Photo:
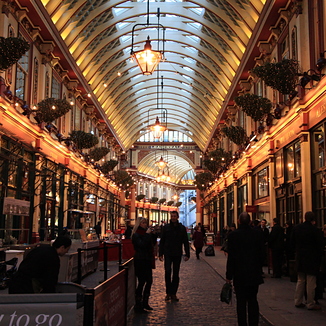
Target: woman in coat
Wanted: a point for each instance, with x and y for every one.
(143, 240)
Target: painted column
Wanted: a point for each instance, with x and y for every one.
(132, 205)
(306, 173)
(272, 193)
(235, 201)
(198, 207)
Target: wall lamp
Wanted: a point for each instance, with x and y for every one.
(321, 62)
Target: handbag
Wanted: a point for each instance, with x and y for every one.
(226, 293)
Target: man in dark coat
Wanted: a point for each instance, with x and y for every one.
(38, 272)
(308, 243)
(173, 236)
(276, 243)
(245, 259)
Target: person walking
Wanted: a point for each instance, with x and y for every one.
(198, 238)
(38, 272)
(143, 239)
(245, 258)
(265, 231)
(308, 243)
(173, 236)
(276, 243)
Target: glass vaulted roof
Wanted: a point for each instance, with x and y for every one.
(205, 41)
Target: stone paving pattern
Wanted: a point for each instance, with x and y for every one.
(199, 303)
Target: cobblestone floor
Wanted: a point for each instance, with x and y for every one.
(199, 303)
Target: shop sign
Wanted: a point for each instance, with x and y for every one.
(31, 310)
(16, 206)
(110, 301)
(251, 208)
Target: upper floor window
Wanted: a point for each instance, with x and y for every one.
(284, 48)
(35, 82)
(22, 76)
(168, 136)
(47, 85)
(294, 44)
(56, 88)
(262, 183)
(318, 145)
(293, 161)
(316, 29)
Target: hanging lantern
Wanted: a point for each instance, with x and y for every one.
(157, 129)
(147, 59)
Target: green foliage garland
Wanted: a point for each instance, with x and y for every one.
(50, 109)
(11, 50)
(236, 134)
(123, 179)
(217, 159)
(109, 166)
(254, 106)
(97, 153)
(83, 139)
(202, 180)
(281, 75)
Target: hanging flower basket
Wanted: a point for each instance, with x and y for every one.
(50, 109)
(281, 76)
(109, 166)
(202, 180)
(97, 153)
(254, 106)
(83, 139)
(123, 179)
(236, 134)
(217, 159)
(140, 197)
(11, 50)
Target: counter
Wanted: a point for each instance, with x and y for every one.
(69, 262)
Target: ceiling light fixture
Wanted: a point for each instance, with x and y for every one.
(161, 164)
(148, 59)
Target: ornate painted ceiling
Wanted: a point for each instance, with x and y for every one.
(204, 44)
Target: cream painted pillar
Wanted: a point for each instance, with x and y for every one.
(272, 193)
(225, 207)
(249, 187)
(198, 207)
(306, 173)
(235, 202)
(132, 211)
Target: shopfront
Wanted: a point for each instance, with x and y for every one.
(288, 184)
(319, 172)
(17, 176)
